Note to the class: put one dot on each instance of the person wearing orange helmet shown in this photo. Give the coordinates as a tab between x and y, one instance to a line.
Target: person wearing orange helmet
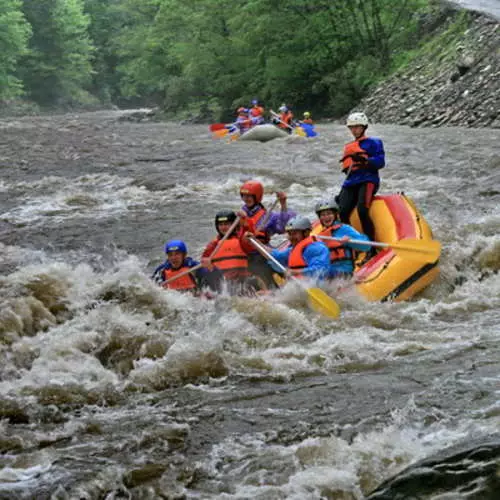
262	224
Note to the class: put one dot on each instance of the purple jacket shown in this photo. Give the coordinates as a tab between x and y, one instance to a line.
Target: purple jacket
276	222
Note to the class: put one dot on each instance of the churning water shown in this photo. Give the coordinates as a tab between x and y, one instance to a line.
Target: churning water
114	388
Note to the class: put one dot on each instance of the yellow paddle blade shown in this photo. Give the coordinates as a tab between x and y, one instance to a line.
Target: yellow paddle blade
323	303
279	280
217	134
426	251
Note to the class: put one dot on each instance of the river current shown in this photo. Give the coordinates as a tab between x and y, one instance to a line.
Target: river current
114	388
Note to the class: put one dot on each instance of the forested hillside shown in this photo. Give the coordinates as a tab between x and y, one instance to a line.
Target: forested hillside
203	56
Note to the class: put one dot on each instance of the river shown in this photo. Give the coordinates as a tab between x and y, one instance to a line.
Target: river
114	388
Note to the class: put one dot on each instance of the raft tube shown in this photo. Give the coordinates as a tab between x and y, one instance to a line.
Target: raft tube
391	276
263	133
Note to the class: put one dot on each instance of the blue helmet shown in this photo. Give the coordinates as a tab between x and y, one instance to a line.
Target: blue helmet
255	101
175	246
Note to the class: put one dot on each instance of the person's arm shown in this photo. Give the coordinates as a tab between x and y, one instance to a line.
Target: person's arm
209	248
376	154
351	233
157	275
317	257
281	256
277	221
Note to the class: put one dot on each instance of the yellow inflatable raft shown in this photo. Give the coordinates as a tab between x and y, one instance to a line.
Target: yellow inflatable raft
392	274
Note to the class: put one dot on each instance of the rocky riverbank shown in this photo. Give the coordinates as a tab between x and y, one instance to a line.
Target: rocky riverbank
452	79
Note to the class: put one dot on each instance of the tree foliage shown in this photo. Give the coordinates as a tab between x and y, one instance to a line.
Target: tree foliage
317	54
58	65
14	33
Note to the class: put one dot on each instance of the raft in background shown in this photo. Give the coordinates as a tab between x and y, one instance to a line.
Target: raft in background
388	275
263	133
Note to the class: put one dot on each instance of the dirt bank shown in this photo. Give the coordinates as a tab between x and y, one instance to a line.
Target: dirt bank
452	79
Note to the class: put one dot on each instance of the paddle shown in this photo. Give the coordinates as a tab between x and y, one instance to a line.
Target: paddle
220	133
318	299
275	115
427	251
262	222
216	249
216	126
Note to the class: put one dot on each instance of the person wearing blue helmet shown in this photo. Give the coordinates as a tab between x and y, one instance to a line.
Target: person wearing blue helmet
256	113
178	263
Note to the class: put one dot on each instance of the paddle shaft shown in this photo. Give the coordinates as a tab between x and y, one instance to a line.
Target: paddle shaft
277	116
396	246
263	251
216	249
361	242
262	222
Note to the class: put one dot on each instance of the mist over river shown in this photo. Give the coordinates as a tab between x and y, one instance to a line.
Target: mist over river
114	388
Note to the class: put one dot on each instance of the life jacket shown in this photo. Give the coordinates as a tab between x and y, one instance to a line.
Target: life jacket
243	122
186	282
308	121
338	252
262	236
350	149
256	111
231	259
296	260
285	118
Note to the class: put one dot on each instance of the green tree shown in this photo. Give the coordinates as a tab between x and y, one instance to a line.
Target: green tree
58	66
14	34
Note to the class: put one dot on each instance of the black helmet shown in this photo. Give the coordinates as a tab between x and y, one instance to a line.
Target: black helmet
224	216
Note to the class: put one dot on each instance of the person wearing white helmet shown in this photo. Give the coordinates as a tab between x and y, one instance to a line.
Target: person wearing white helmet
342	252
305	256
361	162
285	119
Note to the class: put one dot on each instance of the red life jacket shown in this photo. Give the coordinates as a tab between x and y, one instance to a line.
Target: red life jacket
255	218
308	121
186	282
231	259
257	111
296	260
338	251
350	149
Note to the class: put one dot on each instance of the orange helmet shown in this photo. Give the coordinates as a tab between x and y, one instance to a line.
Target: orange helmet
255	188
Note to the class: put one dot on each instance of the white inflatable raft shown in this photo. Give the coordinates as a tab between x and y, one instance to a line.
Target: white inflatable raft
263	133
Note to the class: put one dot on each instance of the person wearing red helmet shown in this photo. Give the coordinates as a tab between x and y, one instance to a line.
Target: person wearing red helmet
263	224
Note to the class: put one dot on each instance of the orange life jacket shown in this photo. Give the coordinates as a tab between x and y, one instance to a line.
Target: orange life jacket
296	260
186	282
350	149
231	259
255	218
257	111
285	118
338	251
308	121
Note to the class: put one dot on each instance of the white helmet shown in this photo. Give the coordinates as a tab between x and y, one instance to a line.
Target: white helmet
283	109
357	119
300	223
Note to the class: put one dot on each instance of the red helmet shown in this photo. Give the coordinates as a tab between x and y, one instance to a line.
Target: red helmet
255	188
